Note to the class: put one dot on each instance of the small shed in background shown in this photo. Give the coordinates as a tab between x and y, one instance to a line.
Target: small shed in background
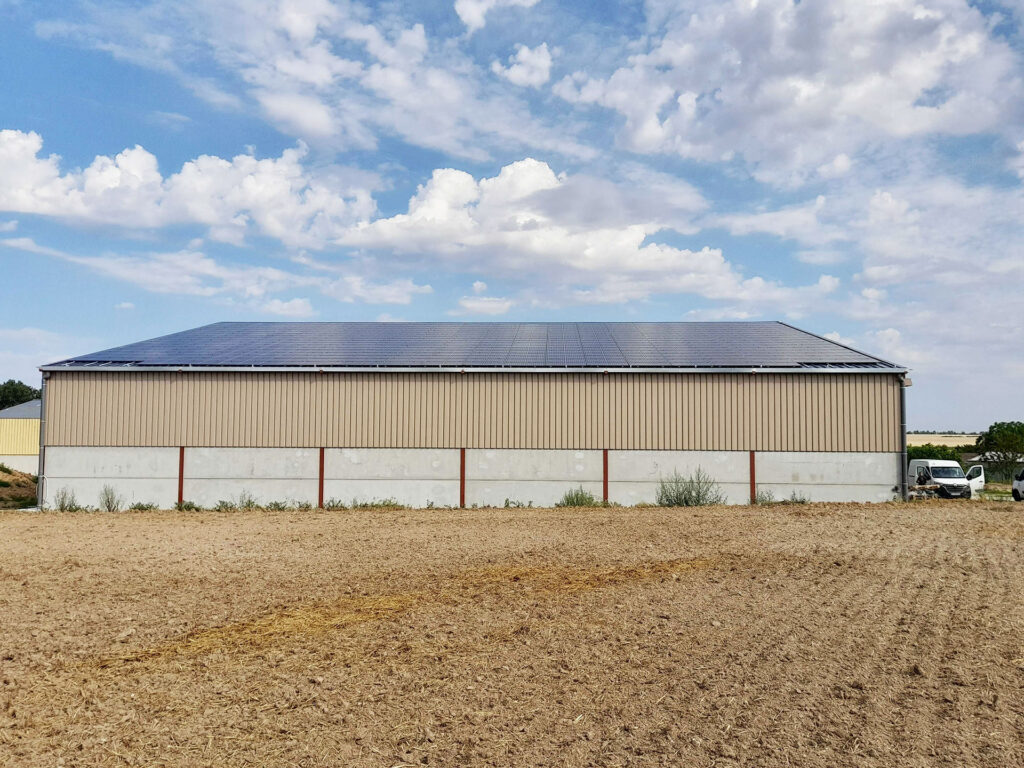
19	436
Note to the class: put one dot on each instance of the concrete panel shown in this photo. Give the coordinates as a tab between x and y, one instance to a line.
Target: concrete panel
629	493
29	464
814	468
207	492
652	466
543	493
566	467
412	493
252	463
391	463
90	462
160	491
850	492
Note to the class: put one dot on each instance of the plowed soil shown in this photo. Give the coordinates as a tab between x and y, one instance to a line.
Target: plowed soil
816	635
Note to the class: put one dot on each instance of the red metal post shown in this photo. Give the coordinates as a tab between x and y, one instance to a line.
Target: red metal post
462	477
320	486
753	480
605	475
181	474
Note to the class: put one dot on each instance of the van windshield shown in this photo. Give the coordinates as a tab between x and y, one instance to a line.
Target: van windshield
947	472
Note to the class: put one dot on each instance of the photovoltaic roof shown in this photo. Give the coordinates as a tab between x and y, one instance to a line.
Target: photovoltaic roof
486	345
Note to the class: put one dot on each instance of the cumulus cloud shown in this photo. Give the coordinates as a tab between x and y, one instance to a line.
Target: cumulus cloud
796	89
277	197
340	75
512	225
527	66
474	12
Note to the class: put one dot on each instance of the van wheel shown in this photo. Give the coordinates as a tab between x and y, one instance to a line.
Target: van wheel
967	493
1016	495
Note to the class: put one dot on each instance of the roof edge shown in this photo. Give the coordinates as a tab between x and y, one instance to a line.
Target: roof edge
824	368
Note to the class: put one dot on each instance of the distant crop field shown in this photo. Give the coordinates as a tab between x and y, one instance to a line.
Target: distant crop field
916	438
803	635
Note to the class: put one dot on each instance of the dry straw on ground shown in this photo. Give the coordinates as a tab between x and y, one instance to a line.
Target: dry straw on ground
814	635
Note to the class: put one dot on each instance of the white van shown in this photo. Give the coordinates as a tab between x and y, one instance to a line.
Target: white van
1018	486
946	477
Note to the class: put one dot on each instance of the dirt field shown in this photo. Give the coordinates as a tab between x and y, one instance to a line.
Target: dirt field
889	635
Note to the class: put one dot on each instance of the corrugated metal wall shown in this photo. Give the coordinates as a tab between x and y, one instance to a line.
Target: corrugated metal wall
19	437
766	412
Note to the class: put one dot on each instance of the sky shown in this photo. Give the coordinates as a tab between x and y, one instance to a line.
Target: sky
851	167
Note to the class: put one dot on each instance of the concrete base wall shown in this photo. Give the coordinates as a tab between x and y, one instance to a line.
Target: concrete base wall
415	477
829	476
634	476
21	463
540	476
265	474
138	475
419	477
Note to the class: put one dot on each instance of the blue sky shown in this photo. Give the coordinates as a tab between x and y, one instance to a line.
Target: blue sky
853	168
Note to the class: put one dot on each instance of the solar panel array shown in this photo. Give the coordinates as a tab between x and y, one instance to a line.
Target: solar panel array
489	345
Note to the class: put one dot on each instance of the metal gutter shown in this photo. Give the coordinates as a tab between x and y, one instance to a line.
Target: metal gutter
904	487
453	369
41	470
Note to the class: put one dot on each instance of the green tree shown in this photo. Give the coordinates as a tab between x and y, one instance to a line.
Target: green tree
931	451
1002	445
15	393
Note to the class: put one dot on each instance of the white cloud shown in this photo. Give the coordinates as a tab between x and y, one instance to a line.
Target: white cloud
195	274
820	257
798	222
474	12
479	287
798	88
126	305
514	226
290	308
527	67
8	226
338	75
357	288
483	305
277	197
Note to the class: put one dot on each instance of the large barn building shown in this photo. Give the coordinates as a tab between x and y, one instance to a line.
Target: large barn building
472	414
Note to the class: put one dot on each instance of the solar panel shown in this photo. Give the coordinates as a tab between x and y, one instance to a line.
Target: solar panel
488	345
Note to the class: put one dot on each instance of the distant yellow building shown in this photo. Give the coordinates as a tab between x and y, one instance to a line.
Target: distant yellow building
19	437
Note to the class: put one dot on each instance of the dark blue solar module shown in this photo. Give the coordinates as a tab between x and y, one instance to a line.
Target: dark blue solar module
488	345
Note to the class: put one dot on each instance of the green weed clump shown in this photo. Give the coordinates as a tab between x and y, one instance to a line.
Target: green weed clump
697	490
142	506
5	469
577	497
377	504
187	506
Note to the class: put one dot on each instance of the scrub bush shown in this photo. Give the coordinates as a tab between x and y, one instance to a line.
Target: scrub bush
109	500
697	490
65	501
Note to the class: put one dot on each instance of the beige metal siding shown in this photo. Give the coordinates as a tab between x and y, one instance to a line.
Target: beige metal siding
765	412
